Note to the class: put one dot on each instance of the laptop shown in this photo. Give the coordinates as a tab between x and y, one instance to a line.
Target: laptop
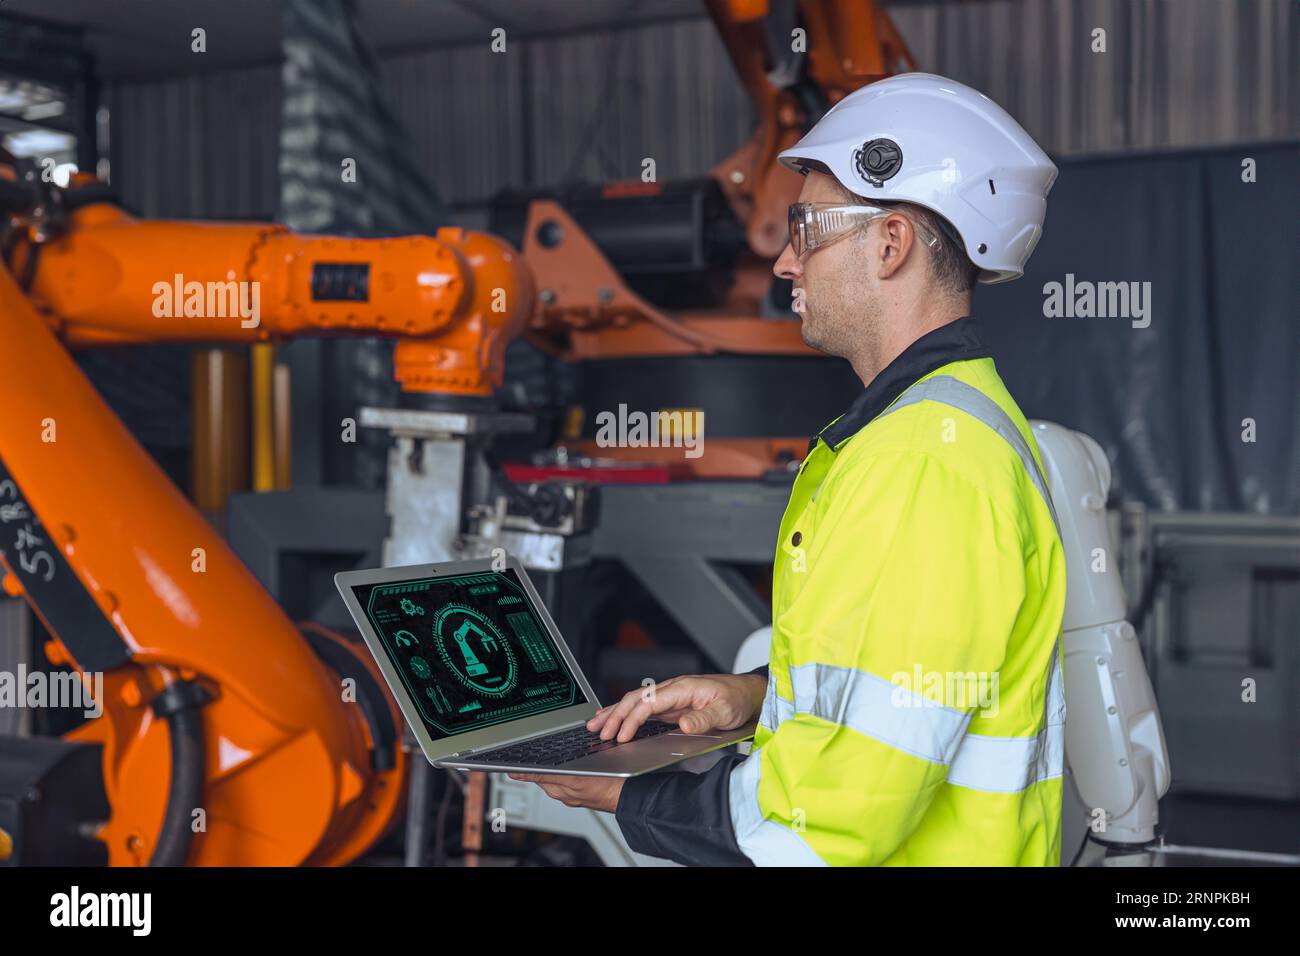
487	682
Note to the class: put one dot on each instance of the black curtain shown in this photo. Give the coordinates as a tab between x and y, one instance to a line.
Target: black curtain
1222	346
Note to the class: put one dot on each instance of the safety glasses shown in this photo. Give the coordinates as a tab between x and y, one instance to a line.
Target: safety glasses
817	224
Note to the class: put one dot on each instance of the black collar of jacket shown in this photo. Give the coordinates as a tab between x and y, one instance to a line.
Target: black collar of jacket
954	342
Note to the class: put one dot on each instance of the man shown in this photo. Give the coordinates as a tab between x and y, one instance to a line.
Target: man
914	709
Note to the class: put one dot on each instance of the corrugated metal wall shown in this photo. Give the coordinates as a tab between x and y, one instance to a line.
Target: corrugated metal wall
591	107
1175	72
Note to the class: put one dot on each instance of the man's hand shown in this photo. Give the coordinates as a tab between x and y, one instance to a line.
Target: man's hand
594	793
697	704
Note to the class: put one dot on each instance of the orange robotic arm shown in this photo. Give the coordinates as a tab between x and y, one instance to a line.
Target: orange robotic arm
293	738
849	44
587	311
453	300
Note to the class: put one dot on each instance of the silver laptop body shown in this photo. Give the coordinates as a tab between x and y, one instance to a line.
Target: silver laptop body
476	664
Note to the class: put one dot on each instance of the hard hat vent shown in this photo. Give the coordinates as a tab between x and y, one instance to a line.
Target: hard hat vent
878	160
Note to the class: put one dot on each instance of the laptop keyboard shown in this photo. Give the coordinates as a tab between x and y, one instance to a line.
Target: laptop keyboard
563	747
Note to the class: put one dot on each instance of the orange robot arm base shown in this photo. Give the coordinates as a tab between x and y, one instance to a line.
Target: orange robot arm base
288	777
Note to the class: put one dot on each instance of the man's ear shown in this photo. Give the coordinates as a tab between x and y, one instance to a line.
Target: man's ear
897	238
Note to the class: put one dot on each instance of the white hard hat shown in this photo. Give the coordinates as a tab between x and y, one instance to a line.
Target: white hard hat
928	140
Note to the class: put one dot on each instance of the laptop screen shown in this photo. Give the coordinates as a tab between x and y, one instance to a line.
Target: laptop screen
470	649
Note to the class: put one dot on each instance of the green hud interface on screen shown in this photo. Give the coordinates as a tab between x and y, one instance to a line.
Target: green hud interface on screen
470	649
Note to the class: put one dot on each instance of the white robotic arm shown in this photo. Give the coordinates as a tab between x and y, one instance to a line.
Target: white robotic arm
1114	745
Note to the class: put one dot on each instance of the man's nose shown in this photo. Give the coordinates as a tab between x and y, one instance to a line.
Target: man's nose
788	266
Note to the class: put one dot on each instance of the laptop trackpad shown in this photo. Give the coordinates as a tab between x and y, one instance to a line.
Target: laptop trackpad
652	753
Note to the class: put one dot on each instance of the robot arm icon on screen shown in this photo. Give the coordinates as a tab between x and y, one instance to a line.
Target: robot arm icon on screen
473	667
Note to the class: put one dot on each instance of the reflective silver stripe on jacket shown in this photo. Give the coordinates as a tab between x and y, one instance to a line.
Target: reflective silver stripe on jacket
880	709
765	842
775	707
914	724
1008	764
1003	764
947	390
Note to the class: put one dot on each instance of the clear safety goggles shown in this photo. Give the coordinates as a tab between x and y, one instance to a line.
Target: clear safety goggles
817	224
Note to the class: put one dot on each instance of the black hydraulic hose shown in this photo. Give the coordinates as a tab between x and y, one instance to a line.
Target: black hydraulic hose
547	506
181	706
1074	861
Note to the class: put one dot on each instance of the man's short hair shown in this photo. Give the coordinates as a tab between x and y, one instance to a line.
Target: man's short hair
949	264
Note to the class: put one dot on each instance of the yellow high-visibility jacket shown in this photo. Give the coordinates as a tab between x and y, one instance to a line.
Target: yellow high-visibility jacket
915	707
